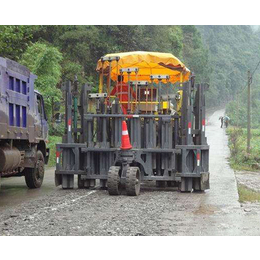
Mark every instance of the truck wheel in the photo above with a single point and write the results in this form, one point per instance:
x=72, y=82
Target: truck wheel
x=34, y=176
x=113, y=181
x=133, y=181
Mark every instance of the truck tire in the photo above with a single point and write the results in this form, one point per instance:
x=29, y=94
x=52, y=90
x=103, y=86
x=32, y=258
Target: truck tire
x=34, y=176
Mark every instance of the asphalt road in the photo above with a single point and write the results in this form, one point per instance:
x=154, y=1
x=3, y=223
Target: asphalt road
x=53, y=211
x=14, y=190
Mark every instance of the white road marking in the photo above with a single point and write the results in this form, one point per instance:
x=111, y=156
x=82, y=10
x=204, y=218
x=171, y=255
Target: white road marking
x=63, y=205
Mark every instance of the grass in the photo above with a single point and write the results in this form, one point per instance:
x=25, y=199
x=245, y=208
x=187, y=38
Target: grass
x=247, y=195
x=53, y=140
x=240, y=159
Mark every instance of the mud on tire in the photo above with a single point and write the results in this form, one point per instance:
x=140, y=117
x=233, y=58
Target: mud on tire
x=34, y=176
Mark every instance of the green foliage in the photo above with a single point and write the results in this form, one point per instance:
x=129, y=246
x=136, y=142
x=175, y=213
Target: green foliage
x=57, y=129
x=44, y=61
x=14, y=39
x=246, y=194
x=237, y=112
x=84, y=45
x=71, y=69
x=237, y=109
x=232, y=51
x=194, y=50
x=53, y=140
x=240, y=159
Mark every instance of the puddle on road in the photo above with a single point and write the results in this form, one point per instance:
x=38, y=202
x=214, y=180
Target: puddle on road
x=206, y=210
x=17, y=194
x=14, y=191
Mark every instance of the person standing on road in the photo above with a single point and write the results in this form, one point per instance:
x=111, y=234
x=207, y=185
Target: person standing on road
x=221, y=118
x=226, y=120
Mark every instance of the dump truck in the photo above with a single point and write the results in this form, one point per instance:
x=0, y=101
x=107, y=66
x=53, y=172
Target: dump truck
x=146, y=123
x=23, y=125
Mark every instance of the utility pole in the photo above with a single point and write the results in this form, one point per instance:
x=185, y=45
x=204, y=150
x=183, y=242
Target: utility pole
x=248, y=113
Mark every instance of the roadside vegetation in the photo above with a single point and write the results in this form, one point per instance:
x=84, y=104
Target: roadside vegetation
x=240, y=159
x=247, y=195
x=53, y=140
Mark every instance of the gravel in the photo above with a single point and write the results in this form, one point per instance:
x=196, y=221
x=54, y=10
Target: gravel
x=156, y=211
x=93, y=212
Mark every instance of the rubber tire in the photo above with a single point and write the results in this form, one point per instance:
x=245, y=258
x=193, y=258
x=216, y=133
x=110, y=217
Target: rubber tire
x=33, y=177
x=113, y=181
x=133, y=181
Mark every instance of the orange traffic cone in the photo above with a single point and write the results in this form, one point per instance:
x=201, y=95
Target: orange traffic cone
x=125, y=141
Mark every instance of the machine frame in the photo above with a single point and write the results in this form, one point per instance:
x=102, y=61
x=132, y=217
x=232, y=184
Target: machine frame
x=167, y=148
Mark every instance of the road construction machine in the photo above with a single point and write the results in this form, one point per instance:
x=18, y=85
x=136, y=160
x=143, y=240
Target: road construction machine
x=146, y=123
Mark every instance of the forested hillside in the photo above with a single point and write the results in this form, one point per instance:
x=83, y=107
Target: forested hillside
x=218, y=55
x=232, y=51
x=56, y=53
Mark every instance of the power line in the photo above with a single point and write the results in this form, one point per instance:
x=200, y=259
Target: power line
x=254, y=70
x=251, y=79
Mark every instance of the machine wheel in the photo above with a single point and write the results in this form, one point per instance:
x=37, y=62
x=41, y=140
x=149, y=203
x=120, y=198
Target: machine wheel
x=34, y=176
x=113, y=181
x=133, y=181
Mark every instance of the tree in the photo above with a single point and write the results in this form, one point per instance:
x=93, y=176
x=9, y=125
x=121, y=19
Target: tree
x=232, y=51
x=45, y=62
x=14, y=39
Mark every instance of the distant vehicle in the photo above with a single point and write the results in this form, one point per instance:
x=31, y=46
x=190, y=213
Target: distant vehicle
x=23, y=125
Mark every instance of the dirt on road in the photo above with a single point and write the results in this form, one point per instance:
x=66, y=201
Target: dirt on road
x=155, y=212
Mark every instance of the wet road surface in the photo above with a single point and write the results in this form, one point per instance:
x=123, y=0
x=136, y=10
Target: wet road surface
x=53, y=211
x=14, y=190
